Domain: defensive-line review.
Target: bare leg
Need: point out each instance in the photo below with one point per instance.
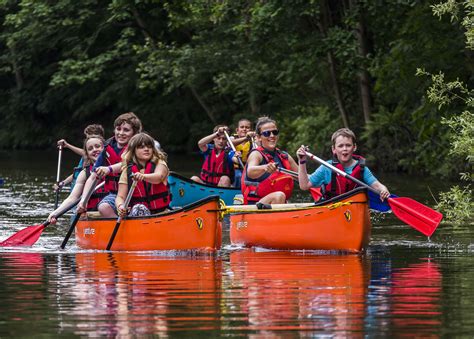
(274, 198)
(197, 179)
(106, 211)
(224, 181)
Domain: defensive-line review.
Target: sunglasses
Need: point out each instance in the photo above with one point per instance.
(267, 134)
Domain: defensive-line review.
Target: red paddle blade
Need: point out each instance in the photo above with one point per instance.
(26, 237)
(316, 193)
(420, 217)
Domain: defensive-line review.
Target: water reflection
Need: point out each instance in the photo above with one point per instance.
(293, 291)
(125, 294)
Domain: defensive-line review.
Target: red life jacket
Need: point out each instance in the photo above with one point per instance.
(97, 195)
(216, 166)
(156, 197)
(254, 189)
(340, 184)
(111, 158)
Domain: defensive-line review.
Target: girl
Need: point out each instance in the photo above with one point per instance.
(93, 146)
(261, 180)
(145, 163)
(108, 164)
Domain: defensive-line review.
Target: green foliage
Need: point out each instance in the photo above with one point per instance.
(313, 127)
(457, 205)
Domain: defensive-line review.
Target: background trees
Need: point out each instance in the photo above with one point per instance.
(187, 65)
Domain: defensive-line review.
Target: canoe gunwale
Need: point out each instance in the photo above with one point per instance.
(191, 182)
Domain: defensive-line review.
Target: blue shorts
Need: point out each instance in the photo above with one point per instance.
(109, 199)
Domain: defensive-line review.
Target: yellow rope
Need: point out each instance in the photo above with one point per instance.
(226, 210)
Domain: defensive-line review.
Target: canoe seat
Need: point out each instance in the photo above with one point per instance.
(93, 215)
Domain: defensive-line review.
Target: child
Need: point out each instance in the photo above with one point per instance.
(261, 180)
(94, 129)
(243, 144)
(143, 162)
(93, 146)
(108, 164)
(218, 166)
(343, 148)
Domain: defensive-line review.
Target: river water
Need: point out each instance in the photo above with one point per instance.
(404, 285)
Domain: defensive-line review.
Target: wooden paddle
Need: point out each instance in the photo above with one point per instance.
(422, 218)
(29, 235)
(58, 174)
(77, 216)
(229, 141)
(119, 219)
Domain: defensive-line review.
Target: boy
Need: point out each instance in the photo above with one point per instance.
(108, 164)
(218, 166)
(343, 148)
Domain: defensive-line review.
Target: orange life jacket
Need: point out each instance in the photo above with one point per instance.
(216, 166)
(340, 184)
(156, 197)
(255, 189)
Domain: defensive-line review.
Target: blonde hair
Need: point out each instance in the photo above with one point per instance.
(87, 160)
(344, 132)
(139, 140)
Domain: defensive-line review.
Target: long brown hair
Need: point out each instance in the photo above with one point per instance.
(138, 140)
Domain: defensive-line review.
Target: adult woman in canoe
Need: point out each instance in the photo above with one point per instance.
(343, 148)
(261, 180)
(93, 146)
(145, 163)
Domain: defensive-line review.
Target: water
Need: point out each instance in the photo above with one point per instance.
(404, 285)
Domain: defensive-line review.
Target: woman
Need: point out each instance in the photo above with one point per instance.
(261, 180)
(145, 163)
(93, 146)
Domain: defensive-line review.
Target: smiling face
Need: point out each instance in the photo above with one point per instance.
(343, 148)
(243, 128)
(94, 147)
(268, 142)
(123, 134)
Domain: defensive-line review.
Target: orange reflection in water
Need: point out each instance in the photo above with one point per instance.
(415, 298)
(128, 294)
(294, 291)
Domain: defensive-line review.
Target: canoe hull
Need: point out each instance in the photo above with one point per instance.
(194, 227)
(345, 226)
(184, 191)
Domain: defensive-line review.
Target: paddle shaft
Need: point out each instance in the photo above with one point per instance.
(229, 140)
(77, 216)
(58, 175)
(119, 219)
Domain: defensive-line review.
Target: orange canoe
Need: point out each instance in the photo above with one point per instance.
(342, 223)
(192, 227)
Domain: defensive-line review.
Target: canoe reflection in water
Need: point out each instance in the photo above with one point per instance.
(288, 291)
(137, 294)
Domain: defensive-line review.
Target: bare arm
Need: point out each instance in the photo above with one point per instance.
(82, 206)
(254, 170)
(303, 177)
(120, 199)
(202, 144)
(73, 196)
(384, 193)
(159, 175)
(75, 149)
